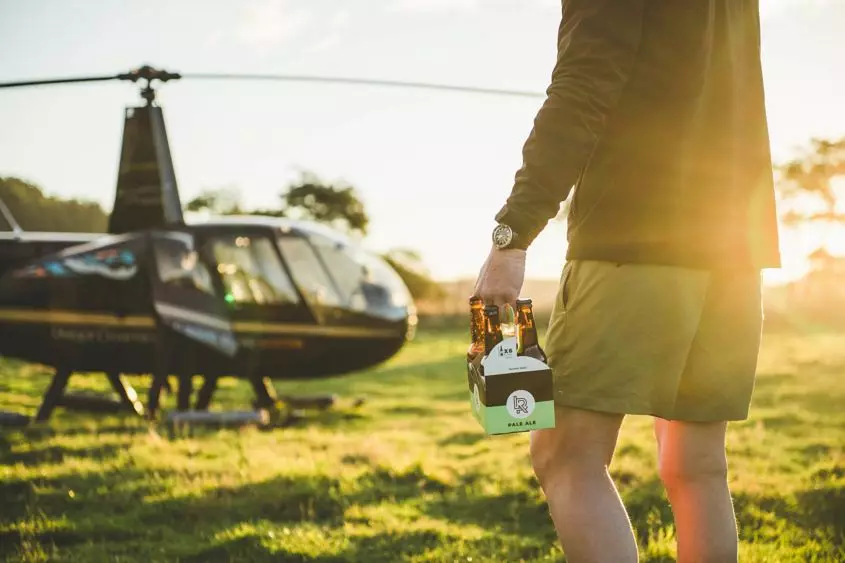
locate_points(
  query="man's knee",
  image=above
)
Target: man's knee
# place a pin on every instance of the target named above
(691, 453)
(582, 441)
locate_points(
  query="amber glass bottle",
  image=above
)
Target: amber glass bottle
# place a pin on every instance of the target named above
(476, 329)
(493, 329)
(528, 343)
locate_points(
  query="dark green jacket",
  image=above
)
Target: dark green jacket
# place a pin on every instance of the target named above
(656, 115)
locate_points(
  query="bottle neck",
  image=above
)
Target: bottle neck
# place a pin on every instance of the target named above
(493, 334)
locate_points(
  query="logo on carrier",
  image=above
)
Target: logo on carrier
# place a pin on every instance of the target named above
(520, 404)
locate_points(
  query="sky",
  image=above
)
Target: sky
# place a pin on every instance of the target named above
(432, 168)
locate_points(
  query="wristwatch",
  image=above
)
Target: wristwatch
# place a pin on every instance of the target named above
(504, 237)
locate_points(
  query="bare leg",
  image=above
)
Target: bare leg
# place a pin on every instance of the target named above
(571, 463)
(694, 469)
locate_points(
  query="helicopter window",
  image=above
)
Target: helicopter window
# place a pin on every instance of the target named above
(346, 271)
(251, 271)
(379, 272)
(364, 279)
(179, 264)
(308, 272)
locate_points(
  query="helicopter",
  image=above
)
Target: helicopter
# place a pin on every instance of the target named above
(256, 298)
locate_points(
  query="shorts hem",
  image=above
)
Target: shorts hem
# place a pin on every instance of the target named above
(610, 406)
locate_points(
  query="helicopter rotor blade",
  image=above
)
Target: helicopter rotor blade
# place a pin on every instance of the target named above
(365, 82)
(58, 81)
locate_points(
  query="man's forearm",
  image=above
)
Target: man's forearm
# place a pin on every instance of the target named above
(597, 46)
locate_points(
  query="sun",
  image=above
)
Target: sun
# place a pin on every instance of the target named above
(798, 242)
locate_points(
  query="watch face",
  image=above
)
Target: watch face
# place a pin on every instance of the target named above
(502, 236)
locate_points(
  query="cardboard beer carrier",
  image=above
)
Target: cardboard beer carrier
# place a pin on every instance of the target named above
(510, 384)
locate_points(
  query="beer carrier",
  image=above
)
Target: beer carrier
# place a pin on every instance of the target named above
(510, 383)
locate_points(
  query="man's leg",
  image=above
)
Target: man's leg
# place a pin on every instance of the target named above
(694, 469)
(716, 386)
(571, 463)
(618, 342)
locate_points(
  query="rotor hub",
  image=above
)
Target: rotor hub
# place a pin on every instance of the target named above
(148, 74)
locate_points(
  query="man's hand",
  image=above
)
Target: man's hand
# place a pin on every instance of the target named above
(501, 277)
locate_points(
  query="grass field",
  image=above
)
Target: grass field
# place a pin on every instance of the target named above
(405, 477)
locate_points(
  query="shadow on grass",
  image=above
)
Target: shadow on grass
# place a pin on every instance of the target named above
(112, 509)
(823, 510)
(248, 548)
(314, 499)
(383, 483)
(463, 439)
(12, 541)
(31, 506)
(381, 547)
(523, 512)
(17, 496)
(57, 454)
(817, 513)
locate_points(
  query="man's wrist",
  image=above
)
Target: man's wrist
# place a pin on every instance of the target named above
(506, 238)
(516, 230)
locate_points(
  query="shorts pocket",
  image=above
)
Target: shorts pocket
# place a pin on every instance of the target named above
(566, 285)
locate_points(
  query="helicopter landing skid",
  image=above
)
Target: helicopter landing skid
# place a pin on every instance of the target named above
(283, 409)
(55, 396)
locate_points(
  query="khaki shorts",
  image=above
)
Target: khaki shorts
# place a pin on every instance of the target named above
(675, 343)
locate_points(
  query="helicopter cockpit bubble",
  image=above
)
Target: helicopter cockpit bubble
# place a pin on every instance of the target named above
(365, 281)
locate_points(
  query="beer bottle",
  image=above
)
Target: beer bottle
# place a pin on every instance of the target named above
(476, 329)
(507, 321)
(493, 330)
(528, 343)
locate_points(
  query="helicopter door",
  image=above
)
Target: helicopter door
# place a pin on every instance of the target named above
(255, 284)
(184, 293)
(311, 277)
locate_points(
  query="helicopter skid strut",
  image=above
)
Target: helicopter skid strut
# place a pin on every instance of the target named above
(281, 408)
(55, 396)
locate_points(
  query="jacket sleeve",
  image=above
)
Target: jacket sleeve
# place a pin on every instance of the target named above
(597, 45)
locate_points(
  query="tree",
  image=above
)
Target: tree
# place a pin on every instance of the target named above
(336, 204)
(806, 184)
(35, 211)
(219, 201)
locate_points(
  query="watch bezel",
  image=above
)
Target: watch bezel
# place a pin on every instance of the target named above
(507, 232)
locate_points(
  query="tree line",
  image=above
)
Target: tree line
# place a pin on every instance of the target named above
(35, 211)
(335, 204)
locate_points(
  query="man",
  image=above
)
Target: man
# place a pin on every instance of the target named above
(655, 113)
